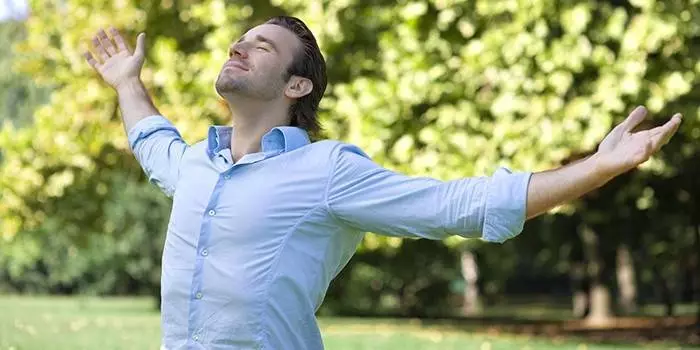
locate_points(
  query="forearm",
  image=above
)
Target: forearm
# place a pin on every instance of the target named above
(134, 102)
(549, 189)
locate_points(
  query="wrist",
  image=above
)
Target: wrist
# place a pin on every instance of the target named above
(129, 85)
(602, 167)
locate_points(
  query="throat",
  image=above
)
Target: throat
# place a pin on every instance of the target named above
(243, 144)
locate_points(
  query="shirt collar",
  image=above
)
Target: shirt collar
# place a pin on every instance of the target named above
(278, 140)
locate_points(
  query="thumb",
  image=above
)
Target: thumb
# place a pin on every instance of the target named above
(140, 50)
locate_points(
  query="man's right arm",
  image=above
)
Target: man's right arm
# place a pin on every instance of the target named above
(120, 67)
(155, 142)
(134, 102)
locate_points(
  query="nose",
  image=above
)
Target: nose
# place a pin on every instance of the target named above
(238, 50)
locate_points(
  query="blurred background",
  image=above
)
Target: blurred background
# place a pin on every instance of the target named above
(440, 88)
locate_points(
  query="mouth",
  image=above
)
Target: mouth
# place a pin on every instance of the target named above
(234, 64)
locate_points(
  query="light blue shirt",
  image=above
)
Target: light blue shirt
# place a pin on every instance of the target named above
(251, 247)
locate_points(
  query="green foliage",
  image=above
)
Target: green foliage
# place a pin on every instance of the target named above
(444, 88)
(18, 94)
(413, 281)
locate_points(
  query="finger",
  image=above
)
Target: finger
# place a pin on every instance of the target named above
(100, 49)
(121, 44)
(140, 45)
(659, 129)
(674, 121)
(662, 134)
(91, 60)
(632, 120)
(106, 42)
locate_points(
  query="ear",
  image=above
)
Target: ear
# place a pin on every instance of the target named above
(298, 87)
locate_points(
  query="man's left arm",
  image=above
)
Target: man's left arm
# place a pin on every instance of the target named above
(620, 151)
(366, 197)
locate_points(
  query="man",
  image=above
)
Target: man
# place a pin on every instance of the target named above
(263, 219)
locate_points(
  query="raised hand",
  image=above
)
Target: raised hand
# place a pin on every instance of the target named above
(623, 150)
(115, 62)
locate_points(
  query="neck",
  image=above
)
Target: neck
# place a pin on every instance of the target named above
(252, 120)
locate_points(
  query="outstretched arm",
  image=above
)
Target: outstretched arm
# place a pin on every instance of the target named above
(134, 103)
(620, 151)
(154, 141)
(121, 69)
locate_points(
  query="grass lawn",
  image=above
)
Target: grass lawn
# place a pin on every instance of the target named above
(56, 323)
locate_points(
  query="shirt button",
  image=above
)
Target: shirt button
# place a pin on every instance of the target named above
(205, 252)
(212, 212)
(198, 295)
(196, 337)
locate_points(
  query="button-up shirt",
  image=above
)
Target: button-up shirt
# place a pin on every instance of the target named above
(253, 245)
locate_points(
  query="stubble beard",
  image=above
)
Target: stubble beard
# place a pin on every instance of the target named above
(228, 85)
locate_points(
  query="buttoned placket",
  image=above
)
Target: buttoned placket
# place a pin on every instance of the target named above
(203, 251)
(197, 294)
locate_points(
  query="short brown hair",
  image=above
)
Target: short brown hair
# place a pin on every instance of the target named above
(307, 63)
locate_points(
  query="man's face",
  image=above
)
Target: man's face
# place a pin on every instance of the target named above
(258, 63)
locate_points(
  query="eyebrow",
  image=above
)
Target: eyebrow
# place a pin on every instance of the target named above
(262, 39)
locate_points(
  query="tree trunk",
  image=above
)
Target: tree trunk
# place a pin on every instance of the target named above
(626, 281)
(470, 271)
(579, 282)
(600, 304)
(580, 294)
(599, 292)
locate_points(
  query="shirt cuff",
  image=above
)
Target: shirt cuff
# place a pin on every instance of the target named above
(506, 205)
(148, 126)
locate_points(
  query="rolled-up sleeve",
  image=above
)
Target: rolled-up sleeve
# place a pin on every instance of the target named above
(364, 196)
(159, 148)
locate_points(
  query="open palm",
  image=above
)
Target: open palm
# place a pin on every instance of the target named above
(622, 150)
(114, 61)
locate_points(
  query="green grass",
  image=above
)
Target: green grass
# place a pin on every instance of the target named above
(57, 323)
(77, 323)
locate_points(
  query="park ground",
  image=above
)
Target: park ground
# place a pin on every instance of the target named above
(28, 323)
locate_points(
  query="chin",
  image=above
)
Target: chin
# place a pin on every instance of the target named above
(226, 84)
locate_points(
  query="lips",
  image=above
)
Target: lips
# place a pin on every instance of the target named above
(236, 64)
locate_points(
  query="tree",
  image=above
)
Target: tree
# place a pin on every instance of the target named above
(456, 88)
(18, 94)
(440, 88)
